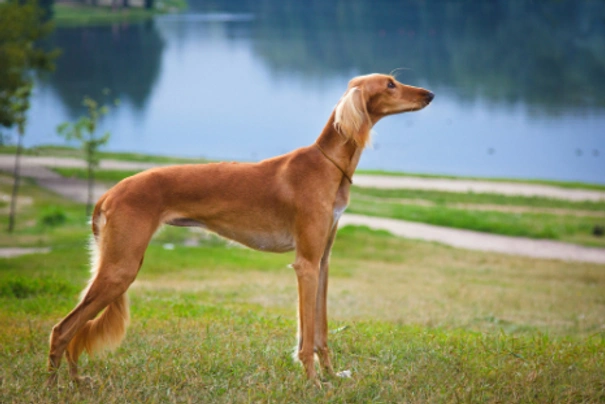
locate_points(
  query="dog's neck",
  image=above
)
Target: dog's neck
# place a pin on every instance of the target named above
(345, 153)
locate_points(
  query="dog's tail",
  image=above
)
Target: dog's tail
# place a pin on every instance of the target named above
(102, 333)
(106, 331)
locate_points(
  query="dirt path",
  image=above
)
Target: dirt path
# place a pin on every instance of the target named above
(473, 240)
(482, 207)
(10, 252)
(35, 167)
(451, 185)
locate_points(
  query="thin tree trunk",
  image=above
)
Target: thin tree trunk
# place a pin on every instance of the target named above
(16, 181)
(91, 181)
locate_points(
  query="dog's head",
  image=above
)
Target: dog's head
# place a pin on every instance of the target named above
(372, 97)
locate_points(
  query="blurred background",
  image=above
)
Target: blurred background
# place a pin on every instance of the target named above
(520, 85)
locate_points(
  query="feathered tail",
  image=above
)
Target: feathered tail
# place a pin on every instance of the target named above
(102, 333)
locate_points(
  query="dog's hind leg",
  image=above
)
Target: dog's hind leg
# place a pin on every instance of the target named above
(79, 323)
(122, 245)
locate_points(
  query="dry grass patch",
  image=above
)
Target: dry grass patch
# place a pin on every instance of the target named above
(374, 275)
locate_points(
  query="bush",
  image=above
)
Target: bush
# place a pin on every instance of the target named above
(22, 288)
(53, 216)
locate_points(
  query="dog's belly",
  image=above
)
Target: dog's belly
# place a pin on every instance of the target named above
(269, 242)
(258, 240)
(184, 222)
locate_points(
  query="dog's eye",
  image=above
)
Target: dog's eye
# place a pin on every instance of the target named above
(391, 84)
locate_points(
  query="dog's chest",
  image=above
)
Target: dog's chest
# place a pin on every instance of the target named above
(340, 204)
(338, 211)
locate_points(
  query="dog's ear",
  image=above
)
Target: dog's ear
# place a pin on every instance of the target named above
(351, 117)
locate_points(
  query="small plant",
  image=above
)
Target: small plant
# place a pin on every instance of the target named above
(21, 287)
(53, 217)
(84, 131)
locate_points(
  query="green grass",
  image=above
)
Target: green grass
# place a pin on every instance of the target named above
(112, 176)
(240, 354)
(207, 329)
(416, 322)
(43, 218)
(540, 217)
(443, 198)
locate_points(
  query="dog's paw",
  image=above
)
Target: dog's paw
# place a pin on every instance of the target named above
(83, 380)
(344, 374)
(52, 381)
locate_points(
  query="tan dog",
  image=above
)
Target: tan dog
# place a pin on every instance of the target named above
(289, 202)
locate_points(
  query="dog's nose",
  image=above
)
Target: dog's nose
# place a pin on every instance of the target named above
(429, 97)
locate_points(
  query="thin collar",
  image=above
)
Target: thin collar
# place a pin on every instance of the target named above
(334, 162)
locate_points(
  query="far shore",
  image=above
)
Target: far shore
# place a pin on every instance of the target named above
(106, 12)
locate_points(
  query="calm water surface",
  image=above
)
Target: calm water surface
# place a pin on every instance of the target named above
(520, 85)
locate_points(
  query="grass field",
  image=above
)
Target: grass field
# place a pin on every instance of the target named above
(214, 322)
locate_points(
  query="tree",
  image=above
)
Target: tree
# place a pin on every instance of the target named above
(84, 131)
(21, 29)
(22, 26)
(19, 106)
(48, 8)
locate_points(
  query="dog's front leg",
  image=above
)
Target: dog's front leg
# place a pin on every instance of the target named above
(321, 318)
(307, 273)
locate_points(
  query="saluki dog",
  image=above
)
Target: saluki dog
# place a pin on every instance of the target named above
(285, 203)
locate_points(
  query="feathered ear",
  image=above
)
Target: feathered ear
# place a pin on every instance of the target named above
(351, 118)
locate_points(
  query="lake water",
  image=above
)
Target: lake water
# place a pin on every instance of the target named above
(520, 85)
